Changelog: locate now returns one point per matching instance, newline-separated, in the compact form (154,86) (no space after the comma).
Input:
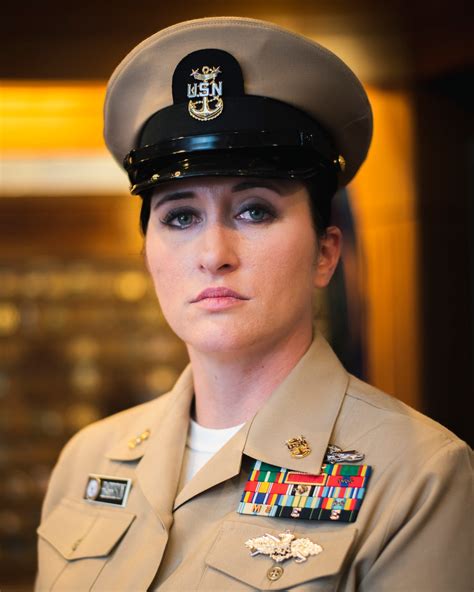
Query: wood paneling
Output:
(384,200)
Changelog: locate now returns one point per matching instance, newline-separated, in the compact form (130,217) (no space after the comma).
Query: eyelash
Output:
(173,214)
(170,216)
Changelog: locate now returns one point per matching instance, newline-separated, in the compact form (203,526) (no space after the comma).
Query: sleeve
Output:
(428,545)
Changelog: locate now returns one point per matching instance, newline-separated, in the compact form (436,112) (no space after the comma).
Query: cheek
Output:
(163,266)
(290,261)
(153,255)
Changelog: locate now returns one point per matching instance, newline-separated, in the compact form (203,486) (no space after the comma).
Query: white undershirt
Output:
(201,444)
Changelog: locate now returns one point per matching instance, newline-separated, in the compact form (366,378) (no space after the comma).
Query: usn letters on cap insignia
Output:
(113,491)
(202,78)
(205,94)
(335,494)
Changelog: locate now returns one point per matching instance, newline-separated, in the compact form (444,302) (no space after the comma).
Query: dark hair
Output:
(321,191)
(145,211)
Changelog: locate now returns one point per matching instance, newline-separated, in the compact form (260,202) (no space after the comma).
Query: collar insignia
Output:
(137,440)
(298,447)
(334,494)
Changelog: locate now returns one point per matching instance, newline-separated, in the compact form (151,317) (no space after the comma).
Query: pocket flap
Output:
(77,530)
(230,555)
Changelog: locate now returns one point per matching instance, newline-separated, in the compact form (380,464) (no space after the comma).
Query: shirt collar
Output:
(306,404)
(160,418)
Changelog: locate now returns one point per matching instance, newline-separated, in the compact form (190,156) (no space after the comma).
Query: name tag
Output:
(113,491)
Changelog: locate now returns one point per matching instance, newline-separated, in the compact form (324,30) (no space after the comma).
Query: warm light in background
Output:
(384,204)
(52,142)
(51,118)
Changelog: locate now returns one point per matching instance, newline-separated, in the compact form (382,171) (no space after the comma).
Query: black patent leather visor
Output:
(290,154)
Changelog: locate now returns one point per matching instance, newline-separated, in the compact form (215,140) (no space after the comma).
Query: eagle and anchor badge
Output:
(205,95)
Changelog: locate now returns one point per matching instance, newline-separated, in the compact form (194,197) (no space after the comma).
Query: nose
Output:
(217,249)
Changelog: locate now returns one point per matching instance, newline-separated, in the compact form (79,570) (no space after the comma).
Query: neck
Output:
(230,391)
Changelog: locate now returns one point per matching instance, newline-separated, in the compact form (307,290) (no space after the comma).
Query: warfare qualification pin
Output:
(287,546)
(298,447)
(335,454)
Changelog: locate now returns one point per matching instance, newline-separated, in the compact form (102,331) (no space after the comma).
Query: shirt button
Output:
(275,573)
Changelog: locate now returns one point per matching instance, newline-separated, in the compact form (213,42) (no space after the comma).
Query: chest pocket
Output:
(75,541)
(230,564)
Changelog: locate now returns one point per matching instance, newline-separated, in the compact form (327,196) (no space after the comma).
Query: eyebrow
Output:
(174,196)
(256,184)
(177,195)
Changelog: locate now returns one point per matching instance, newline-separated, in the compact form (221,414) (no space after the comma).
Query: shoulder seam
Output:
(415,415)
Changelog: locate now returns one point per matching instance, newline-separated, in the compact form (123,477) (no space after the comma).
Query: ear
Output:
(329,252)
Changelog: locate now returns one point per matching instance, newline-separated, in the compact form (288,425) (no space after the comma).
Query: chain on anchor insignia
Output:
(205,95)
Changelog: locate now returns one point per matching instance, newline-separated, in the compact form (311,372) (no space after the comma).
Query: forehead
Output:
(221,185)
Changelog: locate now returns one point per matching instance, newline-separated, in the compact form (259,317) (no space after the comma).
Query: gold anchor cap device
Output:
(234,96)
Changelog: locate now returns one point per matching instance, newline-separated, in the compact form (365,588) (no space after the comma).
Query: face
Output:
(235,261)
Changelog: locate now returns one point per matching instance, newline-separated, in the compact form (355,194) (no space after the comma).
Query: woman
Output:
(267,466)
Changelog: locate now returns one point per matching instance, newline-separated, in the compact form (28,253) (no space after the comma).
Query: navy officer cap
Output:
(235,96)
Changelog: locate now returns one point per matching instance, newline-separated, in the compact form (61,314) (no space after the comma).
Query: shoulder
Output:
(89,447)
(390,431)
(390,410)
(414,459)
(96,439)
(106,432)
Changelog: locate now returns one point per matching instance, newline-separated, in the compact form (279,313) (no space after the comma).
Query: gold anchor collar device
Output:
(298,447)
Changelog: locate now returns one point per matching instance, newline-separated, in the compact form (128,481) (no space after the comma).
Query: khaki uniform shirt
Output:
(413,531)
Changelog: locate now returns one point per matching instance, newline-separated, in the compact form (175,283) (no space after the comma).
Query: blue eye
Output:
(179,218)
(256,213)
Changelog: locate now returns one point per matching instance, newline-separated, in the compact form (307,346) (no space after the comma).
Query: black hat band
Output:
(248,123)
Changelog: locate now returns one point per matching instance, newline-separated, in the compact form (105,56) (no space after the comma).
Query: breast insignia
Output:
(285,546)
(334,494)
(334,454)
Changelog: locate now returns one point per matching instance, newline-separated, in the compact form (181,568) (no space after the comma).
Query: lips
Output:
(210,293)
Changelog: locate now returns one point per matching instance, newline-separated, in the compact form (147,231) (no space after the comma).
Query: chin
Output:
(217,338)
(217,343)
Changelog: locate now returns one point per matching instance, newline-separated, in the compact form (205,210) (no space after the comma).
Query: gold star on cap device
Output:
(235,97)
